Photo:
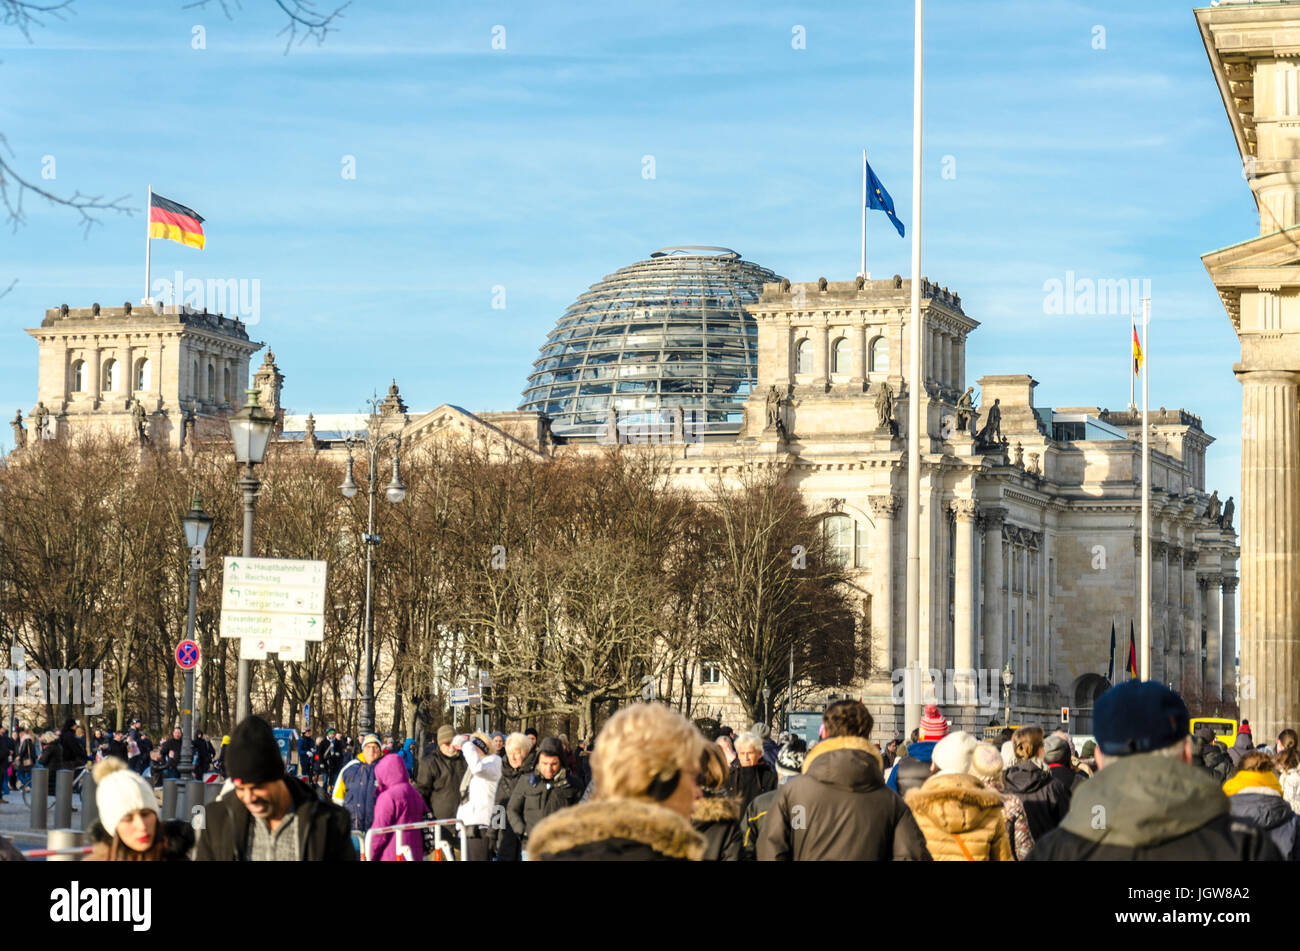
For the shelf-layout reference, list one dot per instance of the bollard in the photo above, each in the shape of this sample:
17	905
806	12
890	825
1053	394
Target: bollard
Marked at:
63	839
193	797
89	808
210	792
63	799
40	797
169	799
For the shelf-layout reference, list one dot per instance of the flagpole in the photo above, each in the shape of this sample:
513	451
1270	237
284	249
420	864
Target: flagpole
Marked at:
148	245
863	271
1145	659
915	387
1132	370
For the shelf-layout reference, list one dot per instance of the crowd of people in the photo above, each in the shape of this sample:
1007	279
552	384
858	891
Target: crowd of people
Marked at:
653	787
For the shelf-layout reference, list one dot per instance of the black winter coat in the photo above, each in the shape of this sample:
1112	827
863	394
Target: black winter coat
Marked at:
506	842
535	798
746	782
74	750
1272	814
324	829
52	757
717	818
438	781
1046	801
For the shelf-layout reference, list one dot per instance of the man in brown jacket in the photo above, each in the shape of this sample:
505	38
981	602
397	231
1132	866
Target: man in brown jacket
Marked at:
840	808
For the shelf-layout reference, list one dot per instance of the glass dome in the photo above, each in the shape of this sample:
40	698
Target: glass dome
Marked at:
665	334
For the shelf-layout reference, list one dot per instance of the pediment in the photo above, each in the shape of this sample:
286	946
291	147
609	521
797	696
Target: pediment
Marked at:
452	422
1269	261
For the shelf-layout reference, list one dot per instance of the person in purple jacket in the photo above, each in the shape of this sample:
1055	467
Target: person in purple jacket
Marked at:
398	803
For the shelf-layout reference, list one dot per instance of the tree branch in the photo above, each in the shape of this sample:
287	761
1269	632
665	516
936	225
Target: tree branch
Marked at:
24	15
304	21
13	187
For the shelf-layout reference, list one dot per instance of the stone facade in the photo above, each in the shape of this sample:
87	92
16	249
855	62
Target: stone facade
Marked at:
1254	52
103	368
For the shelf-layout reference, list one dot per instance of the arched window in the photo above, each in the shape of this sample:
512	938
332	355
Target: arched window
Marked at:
879	355
840	356
79	376
839	540
111	376
143	379
211	394
803	356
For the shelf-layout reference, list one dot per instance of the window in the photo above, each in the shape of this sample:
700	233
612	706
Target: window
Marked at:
803	356
111	375
864	545
838	530
710	673
880	355
142	375
78	376
840	356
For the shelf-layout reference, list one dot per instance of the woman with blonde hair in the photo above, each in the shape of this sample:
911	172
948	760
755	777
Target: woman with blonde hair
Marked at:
646	769
129	828
986	766
716	815
1046	801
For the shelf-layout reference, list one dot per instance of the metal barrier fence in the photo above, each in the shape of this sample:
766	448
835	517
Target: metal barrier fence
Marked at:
442	851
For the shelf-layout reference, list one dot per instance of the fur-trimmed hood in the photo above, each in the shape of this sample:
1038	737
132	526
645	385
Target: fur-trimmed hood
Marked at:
844	743
660	829
715	809
955	802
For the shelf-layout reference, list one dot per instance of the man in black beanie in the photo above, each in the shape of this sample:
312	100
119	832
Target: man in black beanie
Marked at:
270	817
1147	802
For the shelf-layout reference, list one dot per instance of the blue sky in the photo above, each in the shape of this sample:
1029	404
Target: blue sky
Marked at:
522	168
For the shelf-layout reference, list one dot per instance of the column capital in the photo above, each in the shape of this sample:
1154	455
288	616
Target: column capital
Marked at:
1230	585
1265	376
992	518
964	510
885	506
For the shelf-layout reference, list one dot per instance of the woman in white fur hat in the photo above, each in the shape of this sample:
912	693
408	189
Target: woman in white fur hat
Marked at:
129	827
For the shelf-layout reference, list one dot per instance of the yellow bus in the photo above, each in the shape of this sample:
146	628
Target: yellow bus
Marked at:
1225	730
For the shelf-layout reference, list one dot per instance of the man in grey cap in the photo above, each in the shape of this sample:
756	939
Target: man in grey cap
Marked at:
439	774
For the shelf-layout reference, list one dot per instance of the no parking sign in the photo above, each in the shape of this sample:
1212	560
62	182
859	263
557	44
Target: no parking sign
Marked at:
187	655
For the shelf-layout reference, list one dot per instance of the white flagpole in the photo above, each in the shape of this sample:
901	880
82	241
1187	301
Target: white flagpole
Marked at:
148	245
863	271
915	387
1145	658
1132	371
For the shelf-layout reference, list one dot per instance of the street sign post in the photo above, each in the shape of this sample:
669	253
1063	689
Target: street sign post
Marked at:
273	605
187	655
465	696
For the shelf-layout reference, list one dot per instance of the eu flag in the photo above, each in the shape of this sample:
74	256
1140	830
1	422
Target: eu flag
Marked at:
878	198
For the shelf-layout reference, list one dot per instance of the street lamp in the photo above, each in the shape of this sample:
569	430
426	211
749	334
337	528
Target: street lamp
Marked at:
372	445
197	524
1007	680
250	429
767	714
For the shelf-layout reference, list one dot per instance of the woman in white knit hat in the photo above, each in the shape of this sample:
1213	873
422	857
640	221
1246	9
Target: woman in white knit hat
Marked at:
130	829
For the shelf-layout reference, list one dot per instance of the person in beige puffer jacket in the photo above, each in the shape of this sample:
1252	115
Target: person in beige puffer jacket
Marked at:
959	816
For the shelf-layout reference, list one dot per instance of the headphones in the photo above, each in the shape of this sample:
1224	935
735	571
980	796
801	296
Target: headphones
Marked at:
664	784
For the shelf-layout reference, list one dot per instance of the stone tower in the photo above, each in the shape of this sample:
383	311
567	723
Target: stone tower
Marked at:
1254	50
97	365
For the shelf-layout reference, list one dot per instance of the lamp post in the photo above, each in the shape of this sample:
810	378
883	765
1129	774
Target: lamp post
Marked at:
197	525
251	429
767	713
1007	680
372	445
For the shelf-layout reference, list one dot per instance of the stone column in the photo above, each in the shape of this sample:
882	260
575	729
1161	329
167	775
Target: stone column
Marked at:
1228	642
1213	643
1270	544
782	355
963	607
95	383
1191	625
947	359
858	359
883	509
992	520
820	344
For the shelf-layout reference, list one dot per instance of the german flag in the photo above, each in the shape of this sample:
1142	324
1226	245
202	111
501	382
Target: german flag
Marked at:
175	222
1137	351
1132	653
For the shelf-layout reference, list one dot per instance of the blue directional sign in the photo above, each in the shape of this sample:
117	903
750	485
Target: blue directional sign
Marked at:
187	655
